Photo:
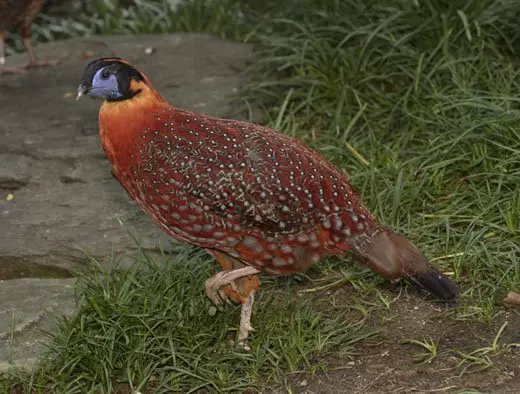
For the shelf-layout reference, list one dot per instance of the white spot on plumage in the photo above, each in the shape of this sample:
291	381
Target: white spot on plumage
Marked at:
219	234
286	249
279	262
326	224
346	231
303	238
249	241
231	241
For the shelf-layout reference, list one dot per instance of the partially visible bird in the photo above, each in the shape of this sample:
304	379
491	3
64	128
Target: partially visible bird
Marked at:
20	13
257	200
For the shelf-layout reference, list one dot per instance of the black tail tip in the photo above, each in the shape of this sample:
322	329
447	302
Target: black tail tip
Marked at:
437	284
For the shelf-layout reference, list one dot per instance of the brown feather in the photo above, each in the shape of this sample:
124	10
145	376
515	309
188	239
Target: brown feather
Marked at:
18	12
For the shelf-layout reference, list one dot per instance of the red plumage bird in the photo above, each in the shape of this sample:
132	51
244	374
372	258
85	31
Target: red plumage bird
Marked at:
255	199
20	13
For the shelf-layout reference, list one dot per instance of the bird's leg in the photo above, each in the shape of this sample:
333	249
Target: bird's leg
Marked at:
25	30
240	290
33	61
245	320
2	49
3	68
215	286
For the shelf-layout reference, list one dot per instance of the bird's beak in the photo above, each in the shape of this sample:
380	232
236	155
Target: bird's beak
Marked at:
81	92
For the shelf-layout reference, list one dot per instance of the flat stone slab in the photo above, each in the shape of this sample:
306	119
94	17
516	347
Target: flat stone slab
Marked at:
28	307
58	200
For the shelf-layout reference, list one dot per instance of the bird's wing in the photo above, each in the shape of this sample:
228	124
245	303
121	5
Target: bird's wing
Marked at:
241	188
241	173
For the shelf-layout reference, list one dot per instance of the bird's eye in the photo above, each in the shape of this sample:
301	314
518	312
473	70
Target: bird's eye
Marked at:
105	74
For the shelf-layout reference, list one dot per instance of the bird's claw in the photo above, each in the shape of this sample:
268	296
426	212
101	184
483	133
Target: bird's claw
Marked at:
215	288
243	344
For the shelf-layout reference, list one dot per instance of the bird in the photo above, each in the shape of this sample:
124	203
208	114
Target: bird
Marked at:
257	200
20	13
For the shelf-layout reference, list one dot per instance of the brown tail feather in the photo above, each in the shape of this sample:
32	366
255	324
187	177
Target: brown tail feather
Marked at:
392	256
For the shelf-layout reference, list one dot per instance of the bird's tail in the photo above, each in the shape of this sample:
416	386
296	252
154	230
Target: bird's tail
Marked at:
391	255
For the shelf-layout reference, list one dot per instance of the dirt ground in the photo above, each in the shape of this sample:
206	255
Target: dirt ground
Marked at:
387	364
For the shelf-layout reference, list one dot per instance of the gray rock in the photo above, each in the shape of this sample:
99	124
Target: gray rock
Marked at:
28	307
64	203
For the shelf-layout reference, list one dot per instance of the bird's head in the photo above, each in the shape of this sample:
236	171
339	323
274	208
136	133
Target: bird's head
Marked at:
111	79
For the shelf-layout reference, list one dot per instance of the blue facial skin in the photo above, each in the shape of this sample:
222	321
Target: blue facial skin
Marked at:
104	85
109	79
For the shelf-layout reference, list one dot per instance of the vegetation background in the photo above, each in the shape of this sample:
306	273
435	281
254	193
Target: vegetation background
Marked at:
416	100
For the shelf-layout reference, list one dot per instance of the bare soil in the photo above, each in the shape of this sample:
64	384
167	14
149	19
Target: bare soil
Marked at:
387	365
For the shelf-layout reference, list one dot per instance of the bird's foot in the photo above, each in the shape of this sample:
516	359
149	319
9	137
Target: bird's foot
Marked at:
215	286
23	69
42	63
11	70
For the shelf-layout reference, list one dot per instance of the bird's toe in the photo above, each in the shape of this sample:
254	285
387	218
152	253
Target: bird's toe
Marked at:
212	291
42	63
11	70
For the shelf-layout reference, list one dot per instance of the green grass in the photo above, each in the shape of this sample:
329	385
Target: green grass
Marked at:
152	328
221	17
417	100
419	105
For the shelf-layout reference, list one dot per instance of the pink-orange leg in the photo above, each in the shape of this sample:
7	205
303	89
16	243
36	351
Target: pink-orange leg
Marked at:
33	61
217	291
3	68
245	320
235	282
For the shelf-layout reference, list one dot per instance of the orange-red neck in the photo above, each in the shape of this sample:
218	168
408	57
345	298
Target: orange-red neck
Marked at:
121	122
